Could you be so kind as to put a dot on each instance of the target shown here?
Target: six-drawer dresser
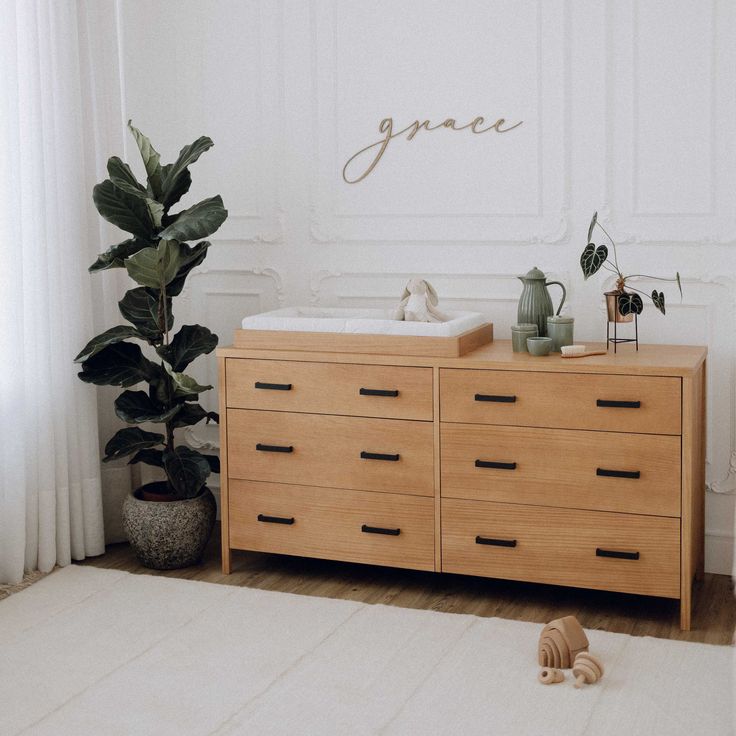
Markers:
(585, 472)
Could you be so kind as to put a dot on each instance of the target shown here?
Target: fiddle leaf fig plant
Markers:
(158, 260)
(593, 258)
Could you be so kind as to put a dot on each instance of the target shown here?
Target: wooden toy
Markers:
(550, 675)
(560, 642)
(587, 669)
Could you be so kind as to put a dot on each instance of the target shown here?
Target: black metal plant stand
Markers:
(616, 340)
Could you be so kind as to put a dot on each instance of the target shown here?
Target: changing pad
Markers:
(359, 321)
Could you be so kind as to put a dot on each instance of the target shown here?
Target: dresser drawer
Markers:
(606, 471)
(643, 404)
(338, 452)
(587, 549)
(355, 526)
(330, 388)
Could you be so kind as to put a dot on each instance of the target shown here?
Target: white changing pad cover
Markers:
(360, 321)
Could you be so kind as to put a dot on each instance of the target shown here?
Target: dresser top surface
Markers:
(656, 360)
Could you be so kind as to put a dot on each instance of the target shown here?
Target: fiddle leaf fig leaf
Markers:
(185, 385)
(149, 457)
(108, 337)
(199, 221)
(214, 463)
(129, 440)
(186, 469)
(155, 267)
(592, 225)
(141, 307)
(189, 343)
(629, 302)
(121, 175)
(191, 413)
(151, 159)
(190, 259)
(120, 364)
(658, 300)
(178, 187)
(171, 183)
(592, 259)
(136, 407)
(123, 209)
(115, 255)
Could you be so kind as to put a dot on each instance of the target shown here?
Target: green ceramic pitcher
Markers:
(535, 303)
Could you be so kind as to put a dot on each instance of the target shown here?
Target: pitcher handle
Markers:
(564, 292)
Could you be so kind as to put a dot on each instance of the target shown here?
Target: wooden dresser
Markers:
(586, 472)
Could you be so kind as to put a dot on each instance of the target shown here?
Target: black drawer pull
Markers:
(496, 542)
(276, 519)
(493, 464)
(615, 553)
(274, 448)
(619, 404)
(274, 386)
(498, 399)
(378, 392)
(379, 530)
(379, 456)
(618, 473)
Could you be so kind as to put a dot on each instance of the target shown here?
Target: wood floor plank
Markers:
(714, 613)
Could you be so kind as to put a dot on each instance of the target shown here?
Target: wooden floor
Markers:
(714, 615)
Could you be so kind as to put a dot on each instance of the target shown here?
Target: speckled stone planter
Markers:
(169, 534)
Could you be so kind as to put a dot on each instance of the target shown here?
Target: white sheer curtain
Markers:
(50, 500)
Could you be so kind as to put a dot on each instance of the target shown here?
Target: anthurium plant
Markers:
(158, 259)
(628, 298)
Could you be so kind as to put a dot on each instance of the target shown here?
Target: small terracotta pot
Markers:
(612, 306)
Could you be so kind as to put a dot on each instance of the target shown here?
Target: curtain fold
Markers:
(50, 496)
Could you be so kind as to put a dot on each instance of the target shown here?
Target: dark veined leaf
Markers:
(121, 175)
(592, 259)
(136, 407)
(190, 258)
(141, 307)
(189, 343)
(179, 187)
(121, 364)
(108, 337)
(129, 440)
(149, 457)
(630, 303)
(592, 225)
(191, 413)
(123, 209)
(658, 300)
(198, 221)
(155, 267)
(151, 159)
(214, 463)
(186, 469)
(115, 255)
(185, 385)
(188, 155)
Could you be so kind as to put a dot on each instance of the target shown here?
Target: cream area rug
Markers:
(98, 652)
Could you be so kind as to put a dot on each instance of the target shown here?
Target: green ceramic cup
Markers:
(539, 345)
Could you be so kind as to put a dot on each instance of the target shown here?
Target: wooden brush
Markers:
(579, 351)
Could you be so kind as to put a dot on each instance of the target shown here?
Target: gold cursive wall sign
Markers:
(386, 128)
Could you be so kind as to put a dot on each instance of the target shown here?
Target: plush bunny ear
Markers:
(406, 293)
(433, 298)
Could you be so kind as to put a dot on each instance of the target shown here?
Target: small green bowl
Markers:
(539, 345)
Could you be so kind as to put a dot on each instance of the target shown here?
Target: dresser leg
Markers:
(685, 610)
(226, 560)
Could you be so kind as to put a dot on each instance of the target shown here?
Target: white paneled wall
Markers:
(628, 108)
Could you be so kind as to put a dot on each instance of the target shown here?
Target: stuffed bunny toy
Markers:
(418, 303)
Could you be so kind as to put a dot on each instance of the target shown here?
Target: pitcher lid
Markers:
(535, 273)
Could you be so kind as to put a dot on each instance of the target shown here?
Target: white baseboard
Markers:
(719, 550)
